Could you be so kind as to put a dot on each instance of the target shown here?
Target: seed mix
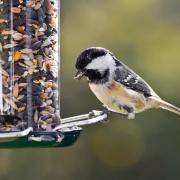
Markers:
(29, 64)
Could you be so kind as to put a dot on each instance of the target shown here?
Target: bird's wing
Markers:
(131, 80)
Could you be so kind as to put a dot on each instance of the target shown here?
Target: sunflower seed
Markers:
(26, 51)
(36, 116)
(37, 6)
(7, 46)
(17, 36)
(11, 103)
(16, 90)
(15, 10)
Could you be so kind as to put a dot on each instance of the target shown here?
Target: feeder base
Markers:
(41, 140)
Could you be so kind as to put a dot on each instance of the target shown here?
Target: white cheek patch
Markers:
(102, 63)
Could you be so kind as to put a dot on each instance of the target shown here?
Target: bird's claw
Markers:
(130, 115)
(95, 113)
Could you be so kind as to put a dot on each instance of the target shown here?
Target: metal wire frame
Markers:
(67, 124)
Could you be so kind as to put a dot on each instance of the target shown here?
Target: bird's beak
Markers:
(79, 75)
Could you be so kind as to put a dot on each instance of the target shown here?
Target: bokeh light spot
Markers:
(120, 148)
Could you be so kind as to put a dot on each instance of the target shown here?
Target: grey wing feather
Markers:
(131, 80)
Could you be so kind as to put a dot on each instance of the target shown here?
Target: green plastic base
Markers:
(66, 139)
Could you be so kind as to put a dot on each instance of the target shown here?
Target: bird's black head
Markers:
(94, 63)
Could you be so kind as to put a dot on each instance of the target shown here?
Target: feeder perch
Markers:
(61, 136)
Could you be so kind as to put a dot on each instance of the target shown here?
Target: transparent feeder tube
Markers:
(29, 64)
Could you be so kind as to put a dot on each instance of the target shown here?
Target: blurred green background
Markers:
(144, 34)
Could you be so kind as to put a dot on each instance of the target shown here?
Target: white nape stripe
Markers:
(102, 63)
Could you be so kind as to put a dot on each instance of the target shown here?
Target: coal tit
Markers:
(118, 87)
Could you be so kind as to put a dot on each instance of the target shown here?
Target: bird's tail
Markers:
(165, 105)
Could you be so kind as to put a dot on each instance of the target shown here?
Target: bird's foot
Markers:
(130, 112)
(95, 113)
(131, 115)
(107, 112)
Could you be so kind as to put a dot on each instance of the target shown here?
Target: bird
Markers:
(120, 89)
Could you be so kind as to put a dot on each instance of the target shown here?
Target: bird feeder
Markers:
(29, 78)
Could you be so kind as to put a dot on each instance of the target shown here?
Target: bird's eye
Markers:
(88, 57)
